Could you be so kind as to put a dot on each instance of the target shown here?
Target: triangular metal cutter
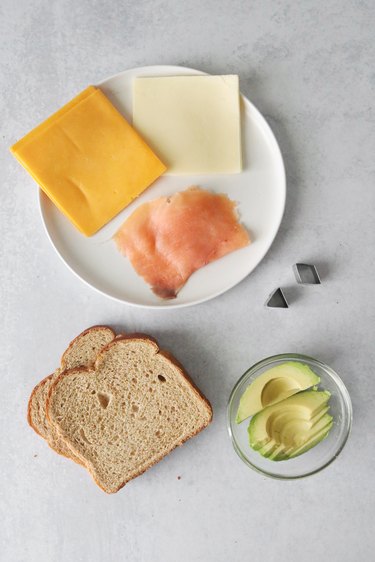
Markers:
(277, 299)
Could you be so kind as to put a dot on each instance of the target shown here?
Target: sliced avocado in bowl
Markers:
(289, 414)
(292, 426)
(273, 386)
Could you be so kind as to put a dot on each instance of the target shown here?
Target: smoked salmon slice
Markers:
(167, 239)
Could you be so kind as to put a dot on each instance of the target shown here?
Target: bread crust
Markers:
(88, 371)
(31, 398)
(97, 327)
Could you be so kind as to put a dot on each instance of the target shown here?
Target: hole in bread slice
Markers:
(104, 400)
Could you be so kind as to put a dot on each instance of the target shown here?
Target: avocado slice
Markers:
(268, 448)
(276, 451)
(275, 385)
(311, 438)
(302, 407)
(279, 452)
(322, 434)
(295, 424)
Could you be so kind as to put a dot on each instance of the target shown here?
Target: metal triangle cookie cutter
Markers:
(306, 274)
(277, 299)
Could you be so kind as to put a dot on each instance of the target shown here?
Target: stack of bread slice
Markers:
(117, 405)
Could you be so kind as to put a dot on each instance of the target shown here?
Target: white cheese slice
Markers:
(192, 122)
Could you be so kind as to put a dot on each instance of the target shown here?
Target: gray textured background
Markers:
(309, 67)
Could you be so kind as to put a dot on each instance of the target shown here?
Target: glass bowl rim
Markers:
(264, 363)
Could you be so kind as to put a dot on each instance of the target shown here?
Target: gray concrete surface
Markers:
(309, 68)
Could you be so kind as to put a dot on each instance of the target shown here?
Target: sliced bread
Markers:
(82, 351)
(128, 411)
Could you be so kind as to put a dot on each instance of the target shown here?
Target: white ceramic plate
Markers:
(259, 190)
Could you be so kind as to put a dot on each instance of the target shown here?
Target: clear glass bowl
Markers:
(316, 458)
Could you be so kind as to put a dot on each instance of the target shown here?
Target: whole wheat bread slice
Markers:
(82, 351)
(128, 411)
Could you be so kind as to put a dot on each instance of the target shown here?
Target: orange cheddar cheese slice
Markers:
(89, 160)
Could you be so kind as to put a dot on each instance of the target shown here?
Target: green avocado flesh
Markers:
(273, 386)
(292, 426)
